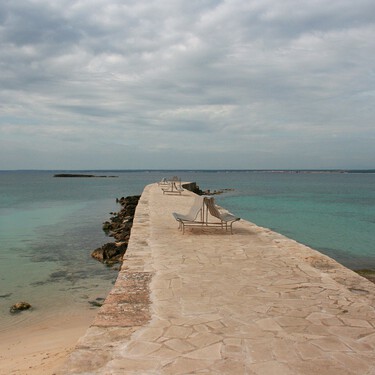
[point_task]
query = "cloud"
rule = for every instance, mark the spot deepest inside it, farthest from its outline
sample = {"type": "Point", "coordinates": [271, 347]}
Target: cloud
{"type": "Point", "coordinates": [164, 84]}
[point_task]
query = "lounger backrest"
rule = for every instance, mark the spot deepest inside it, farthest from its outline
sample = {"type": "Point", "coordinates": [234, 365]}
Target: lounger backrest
{"type": "Point", "coordinates": [210, 202]}
{"type": "Point", "coordinates": [196, 207]}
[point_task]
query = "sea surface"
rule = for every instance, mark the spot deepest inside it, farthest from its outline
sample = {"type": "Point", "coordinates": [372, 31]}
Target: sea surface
{"type": "Point", "coordinates": [49, 226]}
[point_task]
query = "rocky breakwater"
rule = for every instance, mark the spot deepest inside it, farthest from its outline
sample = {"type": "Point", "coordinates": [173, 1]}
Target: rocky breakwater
{"type": "Point", "coordinates": [118, 227]}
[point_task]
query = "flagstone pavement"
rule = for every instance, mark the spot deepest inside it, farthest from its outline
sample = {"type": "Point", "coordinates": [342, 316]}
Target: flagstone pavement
{"type": "Point", "coordinates": [208, 302]}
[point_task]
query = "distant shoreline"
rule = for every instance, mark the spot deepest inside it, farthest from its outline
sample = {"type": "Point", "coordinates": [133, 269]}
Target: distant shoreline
{"type": "Point", "coordinates": [81, 175]}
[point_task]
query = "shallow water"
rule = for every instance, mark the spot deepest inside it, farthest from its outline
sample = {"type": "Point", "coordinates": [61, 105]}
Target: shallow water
{"type": "Point", "coordinates": [49, 226]}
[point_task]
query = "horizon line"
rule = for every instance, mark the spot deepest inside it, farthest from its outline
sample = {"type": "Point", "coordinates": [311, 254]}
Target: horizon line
{"type": "Point", "coordinates": [197, 170]}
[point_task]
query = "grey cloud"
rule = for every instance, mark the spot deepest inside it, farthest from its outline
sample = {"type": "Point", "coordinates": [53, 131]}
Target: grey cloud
{"type": "Point", "coordinates": [84, 110]}
{"type": "Point", "coordinates": [260, 77]}
{"type": "Point", "coordinates": [28, 23]}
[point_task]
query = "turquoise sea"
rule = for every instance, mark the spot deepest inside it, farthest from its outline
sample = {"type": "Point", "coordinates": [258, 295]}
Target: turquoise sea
{"type": "Point", "coordinates": [49, 226]}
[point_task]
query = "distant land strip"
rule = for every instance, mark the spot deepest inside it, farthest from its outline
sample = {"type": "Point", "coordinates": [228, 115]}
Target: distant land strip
{"type": "Point", "coordinates": [79, 175]}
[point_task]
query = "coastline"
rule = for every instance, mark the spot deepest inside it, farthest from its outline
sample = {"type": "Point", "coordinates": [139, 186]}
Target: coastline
{"type": "Point", "coordinates": [43, 347]}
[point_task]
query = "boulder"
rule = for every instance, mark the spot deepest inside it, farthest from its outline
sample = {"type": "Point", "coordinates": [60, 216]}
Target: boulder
{"type": "Point", "coordinates": [19, 306]}
{"type": "Point", "coordinates": [110, 252]}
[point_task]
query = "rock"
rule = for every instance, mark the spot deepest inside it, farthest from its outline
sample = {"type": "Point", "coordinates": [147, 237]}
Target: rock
{"type": "Point", "coordinates": [216, 192]}
{"type": "Point", "coordinates": [110, 252]}
{"type": "Point", "coordinates": [107, 226]}
{"type": "Point", "coordinates": [96, 303]}
{"type": "Point", "coordinates": [118, 227]}
{"type": "Point", "coordinates": [19, 306]}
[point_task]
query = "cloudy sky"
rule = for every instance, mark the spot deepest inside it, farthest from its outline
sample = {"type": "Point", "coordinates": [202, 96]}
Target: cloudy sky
{"type": "Point", "coordinates": [176, 84]}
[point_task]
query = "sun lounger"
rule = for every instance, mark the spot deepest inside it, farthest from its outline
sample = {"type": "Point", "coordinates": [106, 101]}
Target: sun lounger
{"type": "Point", "coordinates": [193, 217]}
{"type": "Point", "coordinates": [202, 212]}
{"type": "Point", "coordinates": [163, 182]}
{"type": "Point", "coordinates": [172, 186]}
{"type": "Point", "coordinates": [226, 218]}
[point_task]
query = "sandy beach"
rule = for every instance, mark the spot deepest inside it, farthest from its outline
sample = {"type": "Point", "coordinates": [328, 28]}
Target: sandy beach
{"type": "Point", "coordinates": [40, 348]}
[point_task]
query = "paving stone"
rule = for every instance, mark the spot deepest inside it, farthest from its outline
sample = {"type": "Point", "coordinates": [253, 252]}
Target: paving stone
{"type": "Point", "coordinates": [149, 334]}
{"type": "Point", "coordinates": [284, 351]}
{"type": "Point", "coordinates": [165, 355]}
{"type": "Point", "coordinates": [233, 342]}
{"type": "Point", "coordinates": [229, 366]}
{"type": "Point", "coordinates": [201, 340]}
{"type": "Point", "coordinates": [325, 366]}
{"type": "Point", "coordinates": [212, 352]}
{"type": "Point", "coordinates": [163, 294]}
{"type": "Point", "coordinates": [356, 323]}
{"type": "Point", "coordinates": [268, 324]}
{"type": "Point", "coordinates": [179, 345]}
{"type": "Point", "coordinates": [330, 344]}
{"type": "Point", "coordinates": [141, 348]}
{"type": "Point", "coordinates": [131, 366]}
{"type": "Point", "coordinates": [354, 363]}
{"type": "Point", "coordinates": [287, 321]}
{"type": "Point", "coordinates": [308, 351]}
{"type": "Point", "coordinates": [185, 366]}
{"type": "Point", "coordinates": [258, 351]}
{"type": "Point", "coordinates": [353, 332]}
{"type": "Point", "coordinates": [271, 368]}
{"type": "Point", "coordinates": [178, 332]}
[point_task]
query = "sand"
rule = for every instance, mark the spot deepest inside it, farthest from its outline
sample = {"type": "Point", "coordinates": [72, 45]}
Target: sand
{"type": "Point", "coordinates": [40, 348]}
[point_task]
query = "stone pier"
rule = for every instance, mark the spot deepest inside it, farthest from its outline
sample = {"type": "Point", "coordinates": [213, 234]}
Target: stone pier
{"type": "Point", "coordinates": [208, 302]}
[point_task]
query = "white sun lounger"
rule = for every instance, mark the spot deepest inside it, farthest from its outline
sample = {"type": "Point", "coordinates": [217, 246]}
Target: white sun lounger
{"type": "Point", "coordinates": [172, 186]}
